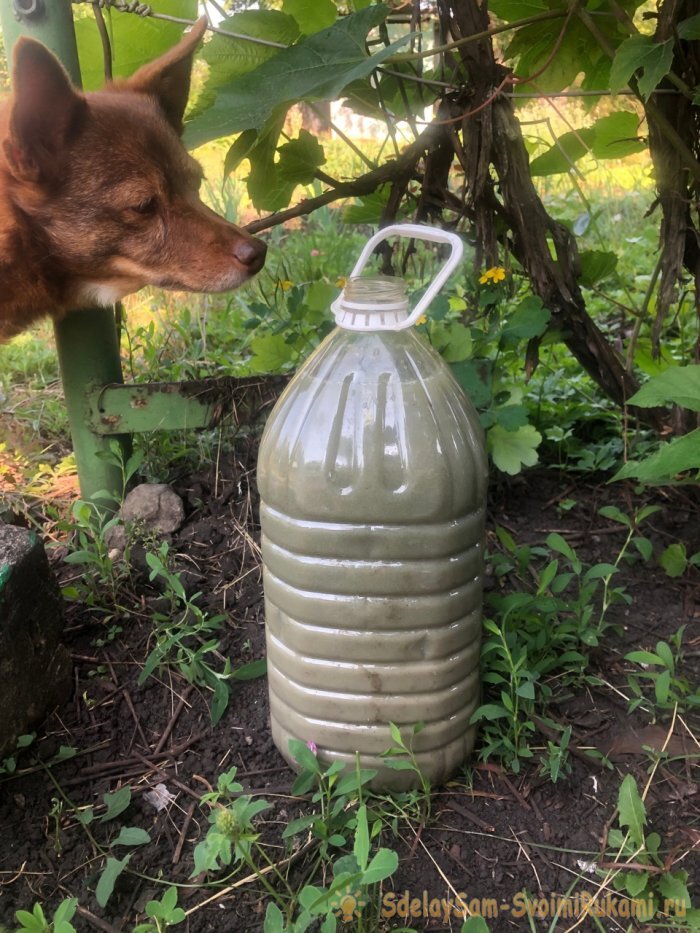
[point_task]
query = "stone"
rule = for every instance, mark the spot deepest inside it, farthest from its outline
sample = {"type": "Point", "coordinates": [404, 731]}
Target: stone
{"type": "Point", "coordinates": [35, 669]}
{"type": "Point", "coordinates": [154, 506]}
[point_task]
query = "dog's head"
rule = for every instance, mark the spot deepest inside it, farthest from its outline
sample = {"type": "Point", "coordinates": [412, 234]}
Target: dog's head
{"type": "Point", "coordinates": [107, 185]}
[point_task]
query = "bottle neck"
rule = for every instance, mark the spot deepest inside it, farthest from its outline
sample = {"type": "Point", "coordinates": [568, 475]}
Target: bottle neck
{"type": "Point", "coordinates": [376, 302]}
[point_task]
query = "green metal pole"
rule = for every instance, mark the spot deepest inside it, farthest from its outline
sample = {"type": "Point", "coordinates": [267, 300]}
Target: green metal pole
{"type": "Point", "coordinates": [87, 341]}
{"type": "Point", "coordinates": [49, 21]}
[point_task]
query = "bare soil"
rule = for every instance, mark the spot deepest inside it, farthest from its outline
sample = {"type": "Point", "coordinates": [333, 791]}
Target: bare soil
{"type": "Point", "coordinates": [491, 834]}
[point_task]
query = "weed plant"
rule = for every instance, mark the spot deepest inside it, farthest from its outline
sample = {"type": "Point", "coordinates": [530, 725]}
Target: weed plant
{"type": "Point", "coordinates": [538, 637]}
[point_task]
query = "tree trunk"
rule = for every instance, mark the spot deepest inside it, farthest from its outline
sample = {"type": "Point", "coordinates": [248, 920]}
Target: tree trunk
{"type": "Point", "coordinates": [491, 138]}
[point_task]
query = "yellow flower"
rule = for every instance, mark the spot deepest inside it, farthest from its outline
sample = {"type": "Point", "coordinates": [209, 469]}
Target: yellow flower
{"type": "Point", "coordinates": [494, 275]}
{"type": "Point", "coordinates": [422, 319]}
{"type": "Point", "coordinates": [341, 281]}
{"type": "Point", "coordinates": [285, 284]}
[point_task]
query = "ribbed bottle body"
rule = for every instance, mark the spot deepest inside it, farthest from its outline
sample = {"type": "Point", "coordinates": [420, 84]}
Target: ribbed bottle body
{"type": "Point", "coordinates": [372, 477]}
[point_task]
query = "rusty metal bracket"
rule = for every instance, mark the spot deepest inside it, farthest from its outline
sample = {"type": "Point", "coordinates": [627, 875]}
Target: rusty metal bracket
{"type": "Point", "coordinates": [172, 406]}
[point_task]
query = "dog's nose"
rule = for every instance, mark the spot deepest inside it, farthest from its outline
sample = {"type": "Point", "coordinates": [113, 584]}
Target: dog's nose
{"type": "Point", "coordinates": [250, 253]}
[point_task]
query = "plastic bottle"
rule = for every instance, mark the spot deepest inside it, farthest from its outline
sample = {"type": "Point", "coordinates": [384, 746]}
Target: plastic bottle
{"type": "Point", "coordinates": [372, 476]}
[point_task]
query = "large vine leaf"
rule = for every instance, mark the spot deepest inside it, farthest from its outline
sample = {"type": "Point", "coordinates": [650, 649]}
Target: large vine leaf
{"type": "Point", "coordinates": [510, 10]}
{"type": "Point", "coordinates": [679, 384]}
{"type": "Point", "coordinates": [529, 319]}
{"type": "Point", "coordinates": [617, 136]}
{"type": "Point", "coordinates": [596, 265]}
{"type": "Point", "coordinates": [690, 28]}
{"type": "Point", "coordinates": [318, 67]}
{"type": "Point", "coordinates": [533, 46]}
{"type": "Point", "coordinates": [230, 57]}
{"type": "Point", "coordinates": [300, 158]}
{"type": "Point", "coordinates": [135, 40]}
{"type": "Point", "coordinates": [641, 53]}
{"type": "Point", "coordinates": [311, 15]}
{"type": "Point", "coordinates": [567, 149]}
{"type": "Point", "coordinates": [612, 137]}
{"type": "Point", "coordinates": [677, 456]}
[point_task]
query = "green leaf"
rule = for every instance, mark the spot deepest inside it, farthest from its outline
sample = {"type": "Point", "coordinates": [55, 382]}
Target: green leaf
{"type": "Point", "coordinates": [135, 40]}
{"type": "Point", "coordinates": [459, 342]}
{"type": "Point", "coordinates": [383, 864]}
{"type": "Point", "coordinates": [567, 149]}
{"type": "Point", "coordinates": [664, 652]}
{"type": "Point", "coordinates": [131, 836]}
{"type": "Point", "coordinates": [662, 686]}
{"type": "Point", "coordinates": [240, 150]}
{"type": "Point", "coordinates": [635, 882]}
{"type": "Point", "coordinates": [250, 671]}
{"type": "Point", "coordinates": [674, 559]}
{"type": "Point", "coordinates": [473, 376]}
{"type": "Point", "coordinates": [369, 208]}
{"type": "Point", "coordinates": [600, 571]}
{"type": "Point", "coordinates": [529, 319]}
{"type": "Point", "coordinates": [302, 754]}
{"type": "Point", "coordinates": [311, 15]}
{"type": "Point", "coordinates": [400, 764]}
{"type": "Point", "coordinates": [509, 10]}
{"type": "Point", "coordinates": [274, 918]}
{"type": "Point", "coordinates": [511, 417]}
{"type": "Point", "coordinates": [65, 911]}
{"type": "Point", "coordinates": [678, 384]}
{"type": "Point", "coordinates": [673, 886]}
{"type": "Point", "coordinates": [689, 28]}
{"type": "Point", "coordinates": [489, 711]}
{"type": "Point", "coordinates": [166, 908]}
{"type": "Point", "coordinates": [316, 68]}
{"type": "Point", "coordinates": [300, 158]}
{"type": "Point", "coordinates": [34, 922]}
{"type": "Point", "coordinates": [474, 925]}
{"type": "Point", "coordinates": [532, 45]}
{"type": "Point", "coordinates": [644, 546]}
{"type": "Point", "coordinates": [229, 58]}
{"type": "Point", "coordinates": [631, 808]}
{"type": "Point", "coordinates": [643, 657]}
{"type": "Point", "coordinates": [617, 136]}
{"type": "Point", "coordinates": [268, 190]}
{"type": "Point", "coordinates": [682, 453]}
{"type": "Point", "coordinates": [116, 803]}
{"type": "Point", "coordinates": [555, 542]}
{"type": "Point", "coordinates": [271, 353]}
{"type": "Point", "coordinates": [361, 845]}
{"type": "Point", "coordinates": [641, 52]}
{"type": "Point", "coordinates": [615, 515]}
{"type": "Point", "coordinates": [511, 450]}
{"type": "Point", "coordinates": [596, 265]}
{"type": "Point", "coordinates": [349, 783]}
{"type": "Point", "coordinates": [112, 870]}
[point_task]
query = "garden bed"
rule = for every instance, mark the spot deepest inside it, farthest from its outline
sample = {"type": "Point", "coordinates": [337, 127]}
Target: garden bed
{"type": "Point", "coordinates": [491, 834]}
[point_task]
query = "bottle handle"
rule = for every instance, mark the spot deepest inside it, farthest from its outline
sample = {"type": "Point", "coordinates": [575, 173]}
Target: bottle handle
{"type": "Point", "coordinates": [418, 232]}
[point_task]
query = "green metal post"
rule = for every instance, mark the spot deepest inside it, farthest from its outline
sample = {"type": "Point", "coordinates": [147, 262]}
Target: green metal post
{"type": "Point", "coordinates": [87, 343]}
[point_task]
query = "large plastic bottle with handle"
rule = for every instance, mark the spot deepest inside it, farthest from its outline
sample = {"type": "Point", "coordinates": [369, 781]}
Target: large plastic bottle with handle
{"type": "Point", "coordinates": [372, 476]}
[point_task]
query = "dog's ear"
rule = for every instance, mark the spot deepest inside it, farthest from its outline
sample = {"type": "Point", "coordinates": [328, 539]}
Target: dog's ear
{"type": "Point", "coordinates": [46, 112]}
{"type": "Point", "coordinates": [168, 77]}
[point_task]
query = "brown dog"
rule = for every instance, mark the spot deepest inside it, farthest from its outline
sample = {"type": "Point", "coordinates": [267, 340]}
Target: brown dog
{"type": "Point", "coordinates": [98, 196]}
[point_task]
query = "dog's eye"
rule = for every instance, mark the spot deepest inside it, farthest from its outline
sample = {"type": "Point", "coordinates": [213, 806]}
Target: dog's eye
{"type": "Point", "coordinates": [146, 207]}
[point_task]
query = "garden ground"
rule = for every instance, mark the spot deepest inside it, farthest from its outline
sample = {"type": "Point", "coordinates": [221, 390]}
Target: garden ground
{"type": "Point", "coordinates": [504, 840]}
